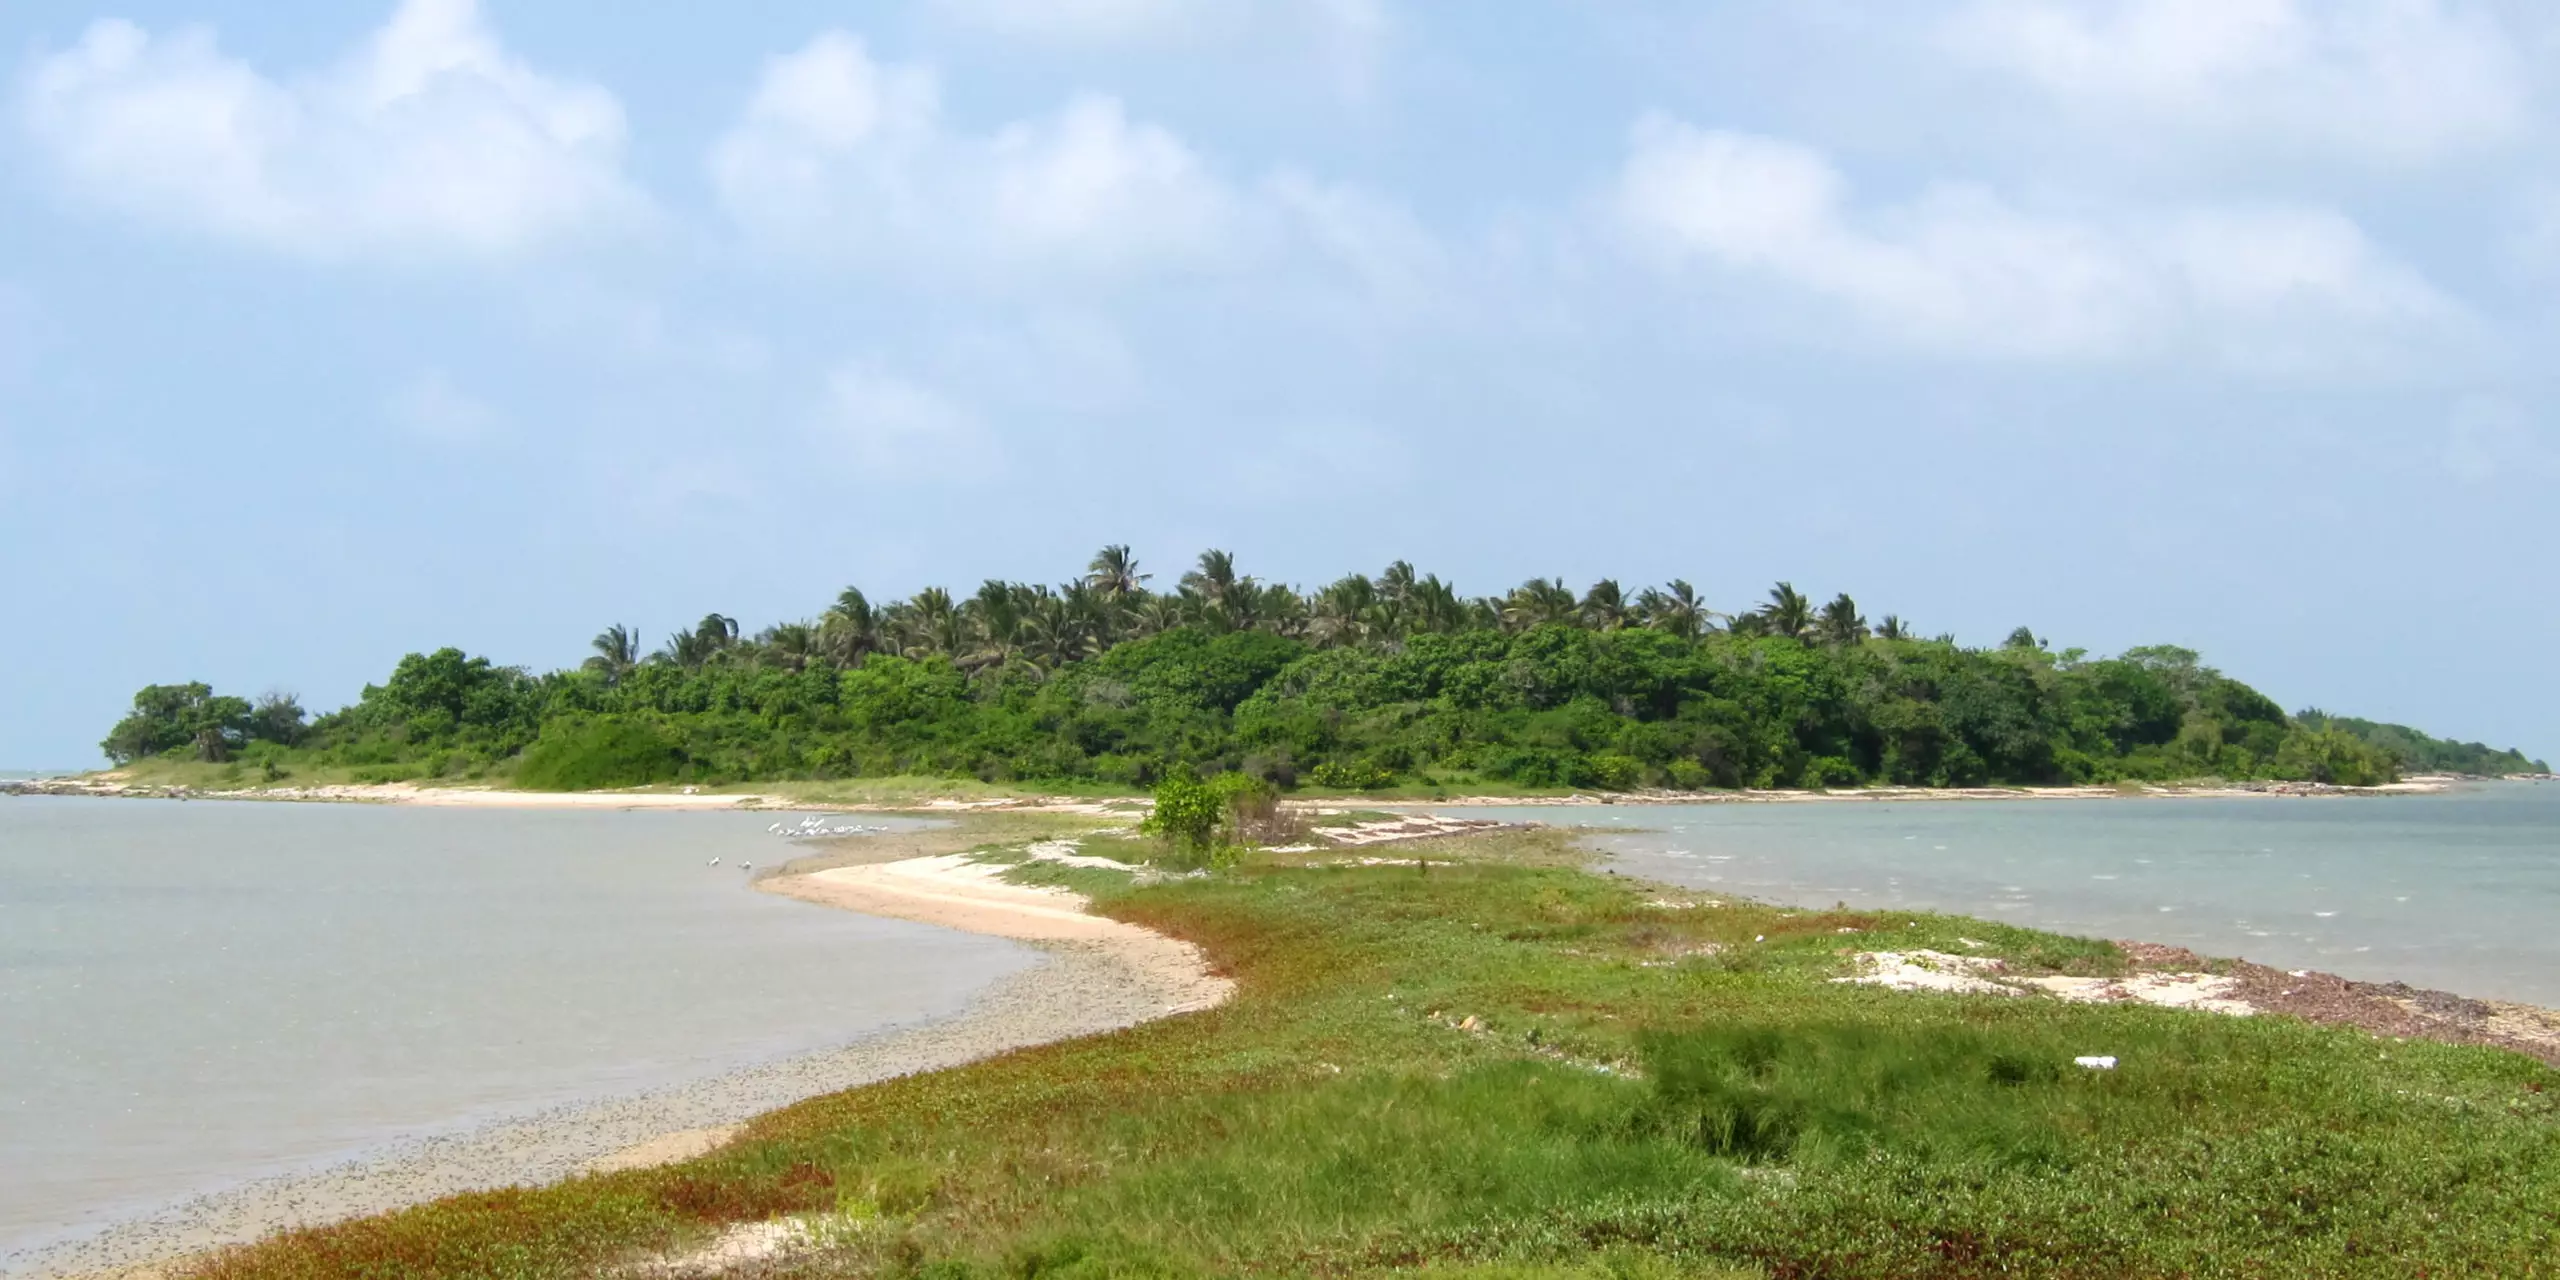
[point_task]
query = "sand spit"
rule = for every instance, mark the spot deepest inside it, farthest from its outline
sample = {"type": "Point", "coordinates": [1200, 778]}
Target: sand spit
{"type": "Point", "coordinates": [1098, 975]}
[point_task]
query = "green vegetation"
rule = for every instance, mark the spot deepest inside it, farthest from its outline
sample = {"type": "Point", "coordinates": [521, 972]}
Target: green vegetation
{"type": "Point", "coordinates": [1395, 682]}
{"type": "Point", "coordinates": [2415, 752]}
{"type": "Point", "coordinates": [1499, 1065]}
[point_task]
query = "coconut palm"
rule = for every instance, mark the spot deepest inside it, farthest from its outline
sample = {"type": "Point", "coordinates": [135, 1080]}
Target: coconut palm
{"type": "Point", "coordinates": [1788, 613]}
{"type": "Point", "coordinates": [1284, 610]}
{"type": "Point", "coordinates": [792, 646]}
{"type": "Point", "coordinates": [1435, 607]}
{"type": "Point", "coordinates": [1343, 613]}
{"type": "Point", "coordinates": [1893, 628]}
{"type": "Point", "coordinates": [1114, 574]}
{"type": "Point", "coordinates": [710, 638]}
{"type": "Point", "coordinates": [617, 652]}
{"type": "Point", "coordinates": [1537, 602]}
{"type": "Point", "coordinates": [1214, 579]}
{"type": "Point", "coordinates": [1839, 624]}
{"type": "Point", "coordinates": [930, 624]}
{"type": "Point", "coordinates": [1675, 609]}
{"type": "Point", "coordinates": [850, 629]}
{"type": "Point", "coordinates": [1157, 614]}
{"type": "Point", "coordinates": [1604, 607]}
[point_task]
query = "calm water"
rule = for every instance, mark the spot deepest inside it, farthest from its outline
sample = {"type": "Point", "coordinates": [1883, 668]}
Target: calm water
{"type": "Point", "coordinates": [196, 994]}
{"type": "Point", "coordinates": [2458, 891]}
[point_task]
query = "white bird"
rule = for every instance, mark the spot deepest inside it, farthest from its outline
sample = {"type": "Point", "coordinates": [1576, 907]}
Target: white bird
{"type": "Point", "coordinates": [746, 866]}
{"type": "Point", "coordinates": [715, 862]}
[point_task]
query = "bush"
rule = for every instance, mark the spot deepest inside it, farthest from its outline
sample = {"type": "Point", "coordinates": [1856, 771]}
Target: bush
{"type": "Point", "coordinates": [1606, 772]}
{"type": "Point", "coordinates": [1335, 775]}
{"type": "Point", "coordinates": [1188, 813]}
{"type": "Point", "coordinates": [599, 752]}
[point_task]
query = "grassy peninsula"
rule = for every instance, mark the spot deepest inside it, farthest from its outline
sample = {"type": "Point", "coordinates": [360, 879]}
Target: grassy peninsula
{"type": "Point", "coordinates": [1483, 1060]}
{"type": "Point", "coordinates": [1370, 683]}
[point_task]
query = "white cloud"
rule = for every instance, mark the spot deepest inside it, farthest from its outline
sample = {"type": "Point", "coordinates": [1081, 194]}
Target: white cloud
{"type": "Point", "coordinates": [884, 422]}
{"type": "Point", "coordinates": [2382, 79]}
{"type": "Point", "coordinates": [847, 157]}
{"type": "Point", "coordinates": [433, 408]}
{"type": "Point", "coordinates": [1961, 269]}
{"type": "Point", "coordinates": [430, 138]}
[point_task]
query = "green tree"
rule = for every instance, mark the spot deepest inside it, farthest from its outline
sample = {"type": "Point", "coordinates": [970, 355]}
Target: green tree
{"type": "Point", "coordinates": [617, 651]}
{"type": "Point", "coordinates": [1114, 574]}
{"type": "Point", "coordinates": [1788, 613]}
{"type": "Point", "coordinates": [1839, 625]}
{"type": "Point", "coordinates": [167, 717]}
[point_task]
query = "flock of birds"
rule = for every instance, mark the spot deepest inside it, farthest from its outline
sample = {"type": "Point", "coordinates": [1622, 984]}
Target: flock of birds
{"type": "Point", "coordinates": [816, 826]}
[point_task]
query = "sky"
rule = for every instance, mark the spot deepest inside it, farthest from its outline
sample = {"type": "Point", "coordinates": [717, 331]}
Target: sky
{"type": "Point", "coordinates": [330, 332]}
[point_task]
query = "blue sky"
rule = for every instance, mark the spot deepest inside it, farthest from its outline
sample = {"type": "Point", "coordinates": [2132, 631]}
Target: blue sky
{"type": "Point", "coordinates": [332, 331]}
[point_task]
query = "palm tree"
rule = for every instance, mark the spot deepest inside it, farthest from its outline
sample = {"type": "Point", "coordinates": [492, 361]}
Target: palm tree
{"type": "Point", "coordinates": [1155, 615]}
{"type": "Point", "coordinates": [1893, 628]}
{"type": "Point", "coordinates": [1114, 573]}
{"type": "Point", "coordinates": [1840, 624]}
{"type": "Point", "coordinates": [617, 652]}
{"type": "Point", "coordinates": [1604, 607]}
{"type": "Point", "coordinates": [850, 628]}
{"type": "Point", "coordinates": [1399, 582]}
{"type": "Point", "coordinates": [1436, 607]}
{"type": "Point", "coordinates": [1284, 610]}
{"type": "Point", "coordinates": [1676, 609]}
{"type": "Point", "coordinates": [793, 646]}
{"type": "Point", "coordinates": [1344, 612]}
{"type": "Point", "coordinates": [715, 635]}
{"type": "Point", "coordinates": [1214, 580]}
{"type": "Point", "coordinates": [1537, 602]}
{"type": "Point", "coordinates": [1095, 618]}
{"type": "Point", "coordinates": [1051, 635]}
{"type": "Point", "coordinates": [2023, 638]}
{"type": "Point", "coordinates": [930, 624]}
{"type": "Point", "coordinates": [1788, 613]}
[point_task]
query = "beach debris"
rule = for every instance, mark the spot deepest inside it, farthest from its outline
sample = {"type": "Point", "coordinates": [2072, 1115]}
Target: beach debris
{"type": "Point", "coordinates": [2203, 991]}
{"type": "Point", "coordinates": [2099, 1062]}
{"type": "Point", "coordinates": [1929, 971]}
{"type": "Point", "coordinates": [1417, 827]}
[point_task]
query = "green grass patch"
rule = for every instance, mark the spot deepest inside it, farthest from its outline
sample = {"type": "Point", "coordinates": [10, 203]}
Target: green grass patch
{"type": "Point", "coordinates": [1500, 1065]}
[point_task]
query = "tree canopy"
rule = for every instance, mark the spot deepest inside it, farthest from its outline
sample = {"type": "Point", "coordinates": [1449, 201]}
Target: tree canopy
{"type": "Point", "coordinates": [1365, 682]}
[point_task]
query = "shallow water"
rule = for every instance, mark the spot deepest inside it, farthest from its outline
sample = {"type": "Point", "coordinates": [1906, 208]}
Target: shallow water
{"type": "Point", "coordinates": [2458, 891]}
{"type": "Point", "coordinates": [193, 995]}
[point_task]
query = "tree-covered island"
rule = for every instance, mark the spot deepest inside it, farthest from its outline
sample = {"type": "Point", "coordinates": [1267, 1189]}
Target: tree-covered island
{"type": "Point", "coordinates": [1370, 683]}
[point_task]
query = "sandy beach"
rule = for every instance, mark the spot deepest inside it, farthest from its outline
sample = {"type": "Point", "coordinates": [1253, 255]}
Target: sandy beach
{"type": "Point", "coordinates": [111, 786]}
{"type": "Point", "coordinates": [1098, 975]}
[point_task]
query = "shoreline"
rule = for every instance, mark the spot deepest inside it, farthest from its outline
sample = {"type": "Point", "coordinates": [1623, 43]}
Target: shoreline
{"type": "Point", "coordinates": [1097, 975]}
{"type": "Point", "coordinates": [109, 787]}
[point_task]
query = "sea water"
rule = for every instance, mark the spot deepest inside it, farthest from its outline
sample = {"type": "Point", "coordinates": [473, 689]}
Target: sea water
{"type": "Point", "coordinates": [197, 994]}
{"type": "Point", "coordinates": [2458, 891]}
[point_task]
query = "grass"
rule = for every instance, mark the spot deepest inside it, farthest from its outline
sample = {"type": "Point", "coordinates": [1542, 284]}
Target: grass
{"type": "Point", "coordinates": [1505, 1065]}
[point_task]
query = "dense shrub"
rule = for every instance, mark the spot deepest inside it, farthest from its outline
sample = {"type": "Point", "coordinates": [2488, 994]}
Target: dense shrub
{"type": "Point", "coordinates": [590, 753]}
